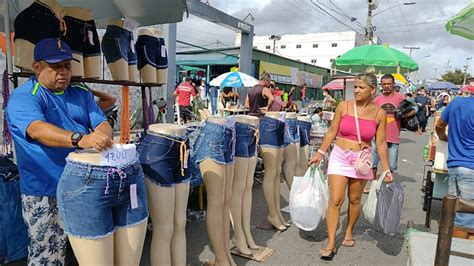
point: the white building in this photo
(313, 48)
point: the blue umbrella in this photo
(442, 85)
(234, 79)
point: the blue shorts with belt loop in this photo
(272, 133)
(292, 134)
(216, 142)
(94, 200)
(246, 140)
(117, 44)
(305, 132)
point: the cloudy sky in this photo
(420, 25)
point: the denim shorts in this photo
(77, 37)
(292, 134)
(94, 200)
(163, 157)
(246, 140)
(116, 45)
(305, 132)
(216, 142)
(392, 149)
(193, 132)
(36, 22)
(272, 133)
(461, 184)
(151, 51)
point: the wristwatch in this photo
(75, 138)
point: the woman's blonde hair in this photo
(369, 79)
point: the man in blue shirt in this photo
(49, 118)
(459, 115)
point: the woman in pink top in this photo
(341, 171)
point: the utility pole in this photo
(369, 30)
(465, 69)
(411, 48)
(274, 38)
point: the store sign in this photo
(279, 73)
(310, 79)
(281, 79)
(243, 26)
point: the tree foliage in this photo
(456, 76)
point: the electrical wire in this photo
(331, 16)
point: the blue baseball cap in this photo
(53, 50)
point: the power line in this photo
(331, 16)
(412, 24)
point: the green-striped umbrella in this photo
(384, 59)
(462, 23)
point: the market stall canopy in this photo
(144, 12)
(336, 85)
(382, 58)
(234, 79)
(442, 85)
(462, 23)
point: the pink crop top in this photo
(348, 129)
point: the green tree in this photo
(456, 76)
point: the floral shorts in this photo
(45, 229)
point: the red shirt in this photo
(390, 104)
(184, 91)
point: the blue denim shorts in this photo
(461, 184)
(94, 200)
(151, 51)
(216, 142)
(305, 132)
(392, 149)
(116, 45)
(292, 134)
(246, 140)
(163, 157)
(272, 133)
(195, 173)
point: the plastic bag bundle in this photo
(370, 205)
(389, 208)
(309, 199)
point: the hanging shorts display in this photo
(304, 128)
(246, 140)
(292, 134)
(272, 132)
(82, 37)
(151, 51)
(216, 142)
(37, 22)
(117, 44)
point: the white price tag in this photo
(282, 116)
(132, 45)
(90, 35)
(186, 156)
(119, 154)
(130, 24)
(163, 51)
(133, 196)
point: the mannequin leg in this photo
(303, 161)
(238, 187)
(271, 184)
(92, 67)
(93, 251)
(229, 178)
(132, 73)
(214, 180)
(277, 194)
(291, 157)
(77, 68)
(162, 76)
(178, 242)
(119, 70)
(129, 244)
(247, 203)
(148, 74)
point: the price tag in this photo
(119, 154)
(163, 51)
(186, 156)
(133, 196)
(282, 116)
(90, 35)
(130, 24)
(132, 45)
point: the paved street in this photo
(297, 247)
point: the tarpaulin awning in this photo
(462, 23)
(336, 85)
(204, 59)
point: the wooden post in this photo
(125, 116)
(445, 232)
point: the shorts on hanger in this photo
(272, 132)
(163, 159)
(292, 134)
(82, 37)
(305, 132)
(36, 22)
(94, 200)
(151, 51)
(117, 44)
(246, 140)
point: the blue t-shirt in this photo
(75, 109)
(460, 117)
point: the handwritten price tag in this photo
(130, 24)
(119, 154)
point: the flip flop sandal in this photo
(330, 256)
(345, 244)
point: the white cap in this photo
(204, 79)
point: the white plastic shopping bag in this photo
(309, 199)
(370, 205)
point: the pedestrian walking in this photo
(303, 95)
(183, 94)
(424, 105)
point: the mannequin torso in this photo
(291, 115)
(89, 156)
(168, 129)
(275, 115)
(247, 119)
(217, 120)
(304, 118)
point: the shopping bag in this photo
(370, 205)
(389, 208)
(309, 199)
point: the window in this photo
(282, 46)
(334, 44)
(313, 61)
(315, 45)
(332, 60)
(298, 46)
(267, 47)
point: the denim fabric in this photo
(305, 132)
(272, 132)
(461, 184)
(45, 229)
(14, 238)
(116, 44)
(214, 105)
(94, 200)
(77, 37)
(162, 158)
(245, 141)
(216, 142)
(36, 22)
(151, 51)
(392, 155)
(193, 134)
(292, 134)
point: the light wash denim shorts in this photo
(272, 133)
(246, 140)
(292, 134)
(216, 142)
(461, 184)
(94, 200)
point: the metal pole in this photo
(170, 86)
(446, 223)
(368, 28)
(6, 20)
(465, 70)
